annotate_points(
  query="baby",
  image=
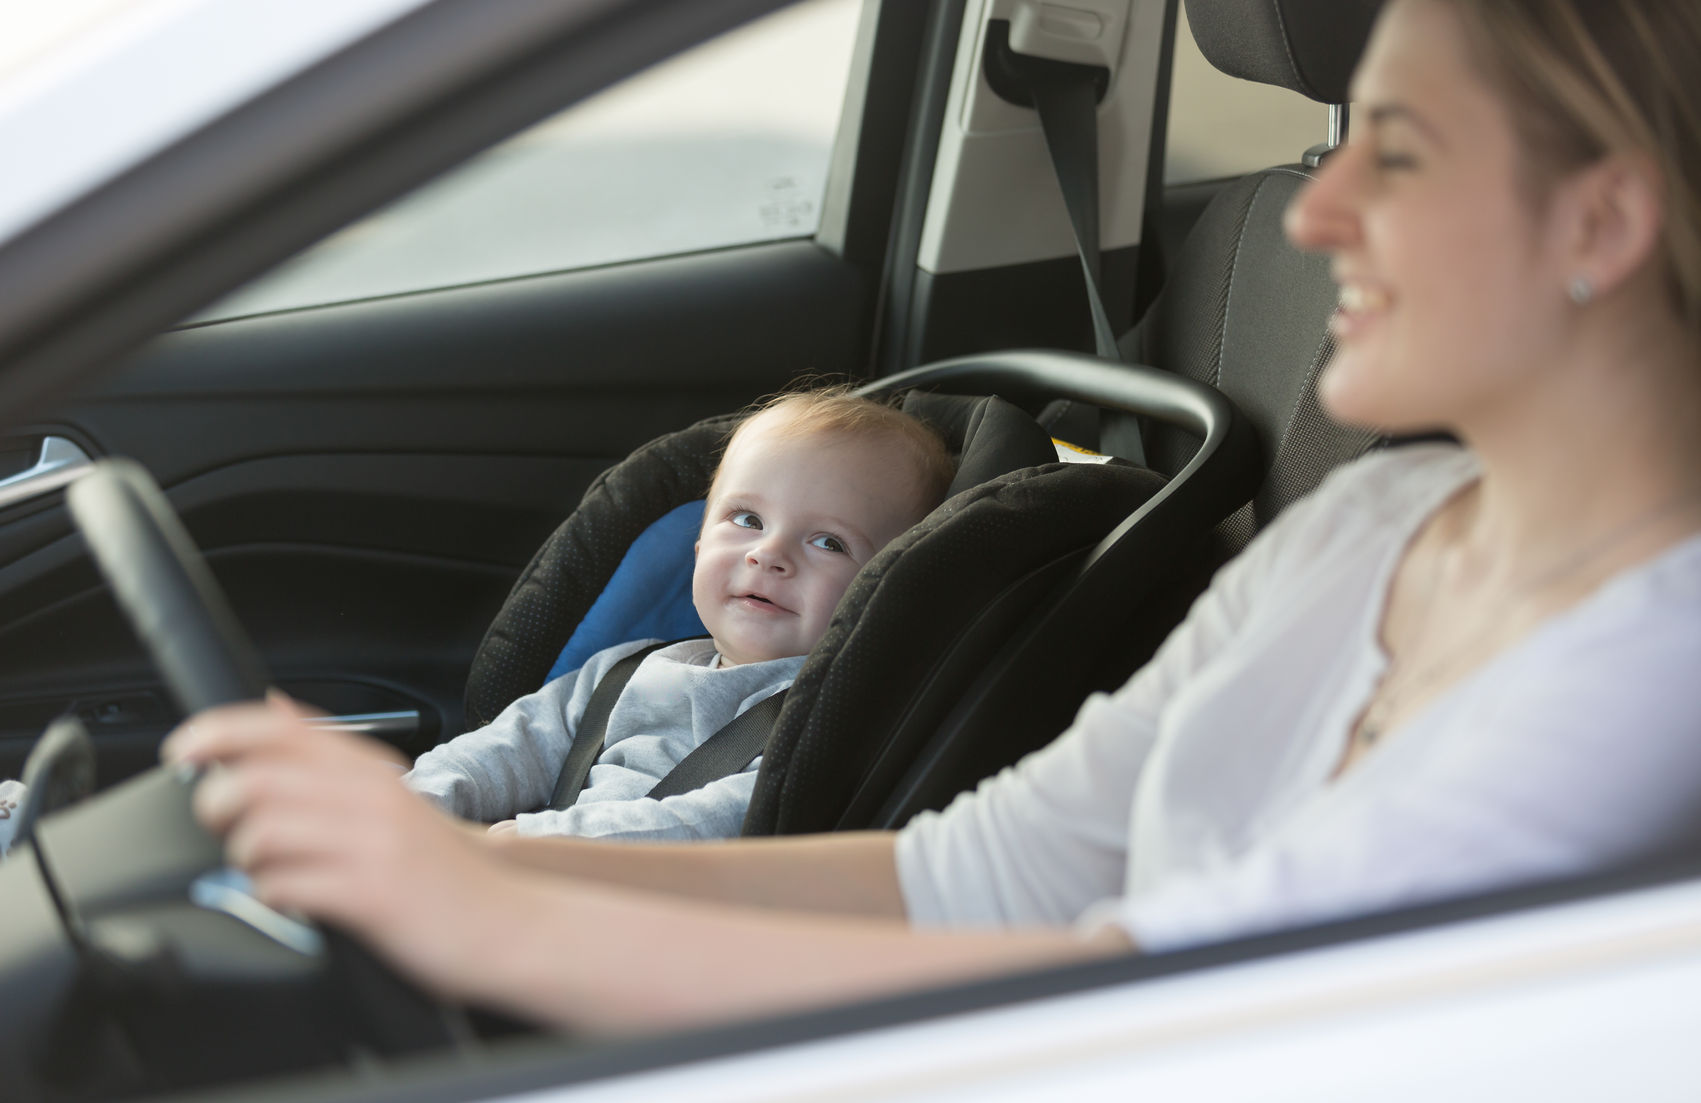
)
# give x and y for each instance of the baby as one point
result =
(808, 490)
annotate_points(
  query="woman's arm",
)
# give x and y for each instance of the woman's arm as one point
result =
(606, 959)
(853, 873)
(322, 824)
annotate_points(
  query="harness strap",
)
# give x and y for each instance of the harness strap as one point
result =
(723, 754)
(593, 728)
(726, 752)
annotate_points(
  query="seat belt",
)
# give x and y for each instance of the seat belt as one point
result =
(593, 728)
(726, 752)
(723, 754)
(1066, 96)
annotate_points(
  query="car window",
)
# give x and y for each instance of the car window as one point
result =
(1224, 126)
(725, 145)
(30, 32)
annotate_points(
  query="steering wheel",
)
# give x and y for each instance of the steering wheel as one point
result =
(164, 887)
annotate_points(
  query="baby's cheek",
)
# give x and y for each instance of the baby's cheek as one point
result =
(832, 595)
(700, 587)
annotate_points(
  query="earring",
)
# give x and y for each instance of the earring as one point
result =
(1581, 290)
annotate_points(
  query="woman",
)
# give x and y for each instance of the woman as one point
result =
(1449, 669)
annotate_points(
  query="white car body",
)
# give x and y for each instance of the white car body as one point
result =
(93, 102)
(1581, 999)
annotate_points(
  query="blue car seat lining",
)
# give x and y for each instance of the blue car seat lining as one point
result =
(649, 595)
(558, 588)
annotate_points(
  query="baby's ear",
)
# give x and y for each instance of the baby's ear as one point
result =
(696, 549)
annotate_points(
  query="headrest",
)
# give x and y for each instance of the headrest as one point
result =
(990, 436)
(1308, 46)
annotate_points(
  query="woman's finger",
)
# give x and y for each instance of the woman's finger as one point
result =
(229, 731)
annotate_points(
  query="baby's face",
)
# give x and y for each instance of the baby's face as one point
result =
(789, 521)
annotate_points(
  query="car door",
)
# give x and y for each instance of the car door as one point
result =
(370, 442)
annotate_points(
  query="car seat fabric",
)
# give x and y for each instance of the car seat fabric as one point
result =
(1243, 310)
(1306, 46)
(993, 437)
(938, 599)
(626, 551)
(647, 597)
(564, 579)
(1248, 314)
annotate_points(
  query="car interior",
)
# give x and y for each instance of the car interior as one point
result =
(409, 504)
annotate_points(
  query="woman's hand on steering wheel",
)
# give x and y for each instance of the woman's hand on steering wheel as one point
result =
(322, 825)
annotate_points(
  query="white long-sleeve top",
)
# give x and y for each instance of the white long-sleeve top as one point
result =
(1196, 803)
(679, 696)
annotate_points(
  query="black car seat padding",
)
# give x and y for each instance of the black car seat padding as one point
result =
(943, 596)
(565, 583)
(990, 436)
(568, 573)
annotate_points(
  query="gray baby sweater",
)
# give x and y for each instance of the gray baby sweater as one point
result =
(678, 697)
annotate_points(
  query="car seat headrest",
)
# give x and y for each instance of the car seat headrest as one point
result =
(990, 436)
(1307, 46)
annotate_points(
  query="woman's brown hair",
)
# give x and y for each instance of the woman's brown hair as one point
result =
(1589, 78)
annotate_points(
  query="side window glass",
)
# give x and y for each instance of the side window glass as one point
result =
(725, 145)
(1223, 126)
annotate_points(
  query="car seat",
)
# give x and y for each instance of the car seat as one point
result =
(1241, 311)
(918, 617)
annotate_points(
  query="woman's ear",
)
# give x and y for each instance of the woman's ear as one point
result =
(1614, 215)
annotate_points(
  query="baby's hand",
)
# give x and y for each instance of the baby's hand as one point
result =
(11, 799)
(506, 827)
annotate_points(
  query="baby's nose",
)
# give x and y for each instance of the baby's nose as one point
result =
(769, 556)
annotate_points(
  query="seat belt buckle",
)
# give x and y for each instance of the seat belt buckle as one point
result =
(1080, 32)
(1013, 65)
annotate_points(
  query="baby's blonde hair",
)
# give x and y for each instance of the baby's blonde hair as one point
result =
(836, 410)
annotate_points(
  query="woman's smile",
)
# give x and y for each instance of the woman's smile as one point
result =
(1359, 305)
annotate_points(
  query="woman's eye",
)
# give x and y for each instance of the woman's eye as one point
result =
(1395, 162)
(830, 543)
(746, 520)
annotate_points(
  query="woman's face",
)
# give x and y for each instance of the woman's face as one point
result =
(1451, 296)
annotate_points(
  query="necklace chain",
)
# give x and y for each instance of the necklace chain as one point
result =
(1398, 685)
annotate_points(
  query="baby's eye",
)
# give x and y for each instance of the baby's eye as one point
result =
(744, 519)
(1393, 161)
(830, 543)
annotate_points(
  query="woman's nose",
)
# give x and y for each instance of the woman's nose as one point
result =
(1324, 216)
